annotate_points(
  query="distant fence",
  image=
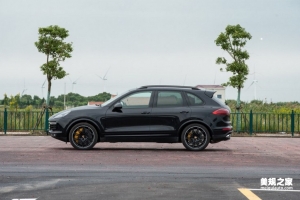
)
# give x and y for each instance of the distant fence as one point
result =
(267, 122)
(250, 122)
(13, 121)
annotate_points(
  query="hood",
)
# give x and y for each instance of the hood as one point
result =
(66, 112)
(84, 108)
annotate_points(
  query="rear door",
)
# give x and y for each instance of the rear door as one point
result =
(169, 110)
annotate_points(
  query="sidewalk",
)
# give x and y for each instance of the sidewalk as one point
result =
(277, 134)
(280, 134)
(27, 133)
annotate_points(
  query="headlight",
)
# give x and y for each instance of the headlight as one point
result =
(61, 114)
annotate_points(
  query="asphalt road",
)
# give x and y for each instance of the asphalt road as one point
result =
(40, 167)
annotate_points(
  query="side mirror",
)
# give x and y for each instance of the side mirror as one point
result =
(117, 106)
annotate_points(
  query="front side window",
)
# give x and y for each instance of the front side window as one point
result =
(194, 100)
(137, 100)
(169, 99)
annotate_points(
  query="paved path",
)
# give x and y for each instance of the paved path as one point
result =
(40, 166)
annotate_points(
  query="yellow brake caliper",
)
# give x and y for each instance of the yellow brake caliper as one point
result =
(189, 135)
(77, 133)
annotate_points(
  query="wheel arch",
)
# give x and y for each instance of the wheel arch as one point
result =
(182, 127)
(86, 120)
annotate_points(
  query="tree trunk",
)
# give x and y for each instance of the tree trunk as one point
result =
(48, 93)
(49, 86)
(47, 105)
(238, 108)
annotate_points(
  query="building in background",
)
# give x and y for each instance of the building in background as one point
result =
(95, 103)
(220, 90)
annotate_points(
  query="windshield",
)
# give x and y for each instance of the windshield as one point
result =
(112, 99)
(107, 102)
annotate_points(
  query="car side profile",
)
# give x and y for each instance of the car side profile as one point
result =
(157, 113)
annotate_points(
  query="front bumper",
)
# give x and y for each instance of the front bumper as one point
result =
(55, 130)
(58, 136)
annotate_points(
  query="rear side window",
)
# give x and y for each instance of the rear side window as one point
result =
(169, 99)
(194, 100)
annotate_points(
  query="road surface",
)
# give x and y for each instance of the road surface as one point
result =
(40, 167)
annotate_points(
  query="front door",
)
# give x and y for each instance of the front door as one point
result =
(132, 119)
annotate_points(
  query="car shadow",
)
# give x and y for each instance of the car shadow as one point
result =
(143, 149)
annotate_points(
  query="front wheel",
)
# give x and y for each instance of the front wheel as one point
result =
(83, 136)
(195, 137)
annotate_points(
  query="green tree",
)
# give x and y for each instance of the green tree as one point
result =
(25, 100)
(5, 100)
(28, 109)
(59, 104)
(37, 101)
(14, 102)
(100, 97)
(233, 41)
(51, 42)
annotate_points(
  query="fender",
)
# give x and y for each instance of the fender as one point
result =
(194, 121)
(95, 124)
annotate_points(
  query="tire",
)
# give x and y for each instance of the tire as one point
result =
(83, 136)
(195, 137)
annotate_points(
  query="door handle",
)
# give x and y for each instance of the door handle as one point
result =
(145, 112)
(184, 112)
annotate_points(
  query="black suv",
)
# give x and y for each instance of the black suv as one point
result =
(157, 113)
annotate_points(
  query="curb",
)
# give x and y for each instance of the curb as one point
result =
(23, 134)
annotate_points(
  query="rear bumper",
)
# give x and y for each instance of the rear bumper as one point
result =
(221, 135)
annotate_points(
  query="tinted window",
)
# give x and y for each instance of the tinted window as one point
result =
(137, 100)
(169, 99)
(194, 100)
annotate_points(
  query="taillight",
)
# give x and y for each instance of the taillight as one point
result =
(221, 111)
(227, 129)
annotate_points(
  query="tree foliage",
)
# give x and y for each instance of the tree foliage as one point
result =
(73, 99)
(5, 100)
(258, 106)
(14, 102)
(28, 102)
(233, 40)
(51, 42)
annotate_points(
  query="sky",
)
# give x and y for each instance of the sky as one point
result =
(150, 42)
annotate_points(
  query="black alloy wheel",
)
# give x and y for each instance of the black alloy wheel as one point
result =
(83, 136)
(195, 137)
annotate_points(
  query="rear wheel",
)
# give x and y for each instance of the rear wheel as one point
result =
(83, 136)
(195, 137)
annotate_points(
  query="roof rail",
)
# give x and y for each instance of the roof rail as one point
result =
(170, 86)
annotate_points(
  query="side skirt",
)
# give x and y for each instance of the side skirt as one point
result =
(139, 139)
